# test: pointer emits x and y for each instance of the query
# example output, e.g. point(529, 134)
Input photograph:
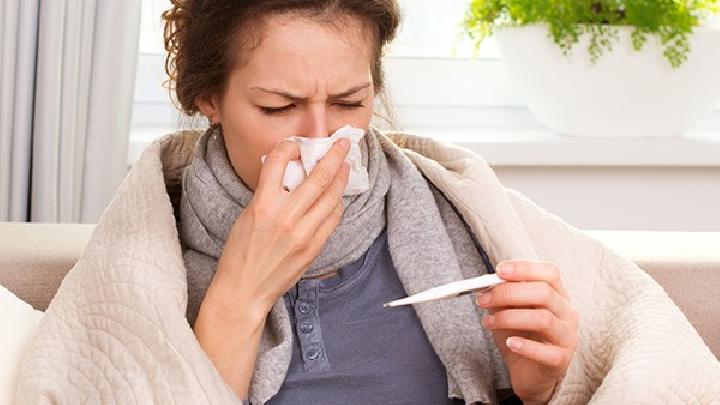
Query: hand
point(533, 325)
point(269, 247)
point(280, 233)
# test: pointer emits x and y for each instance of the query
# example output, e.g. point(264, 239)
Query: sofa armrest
point(685, 264)
point(34, 257)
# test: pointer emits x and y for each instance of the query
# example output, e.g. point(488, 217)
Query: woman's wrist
point(534, 402)
point(233, 308)
point(229, 333)
point(543, 401)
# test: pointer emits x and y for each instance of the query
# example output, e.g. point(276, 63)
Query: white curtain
point(72, 65)
point(18, 26)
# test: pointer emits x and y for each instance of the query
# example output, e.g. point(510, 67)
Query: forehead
point(293, 50)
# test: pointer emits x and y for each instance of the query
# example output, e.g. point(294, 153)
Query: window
point(471, 94)
point(469, 98)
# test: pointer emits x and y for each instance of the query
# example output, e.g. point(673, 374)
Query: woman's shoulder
point(176, 150)
point(165, 159)
point(433, 148)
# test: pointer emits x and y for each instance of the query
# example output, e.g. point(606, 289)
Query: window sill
point(698, 148)
point(505, 147)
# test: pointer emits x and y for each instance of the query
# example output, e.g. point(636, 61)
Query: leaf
point(672, 21)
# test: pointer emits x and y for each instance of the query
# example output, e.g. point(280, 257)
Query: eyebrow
point(295, 97)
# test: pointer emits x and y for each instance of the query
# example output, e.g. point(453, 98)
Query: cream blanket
point(116, 330)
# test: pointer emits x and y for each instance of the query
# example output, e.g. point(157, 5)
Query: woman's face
point(304, 78)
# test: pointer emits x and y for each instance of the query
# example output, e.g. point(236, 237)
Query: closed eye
point(350, 106)
point(276, 110)
point(285, 108)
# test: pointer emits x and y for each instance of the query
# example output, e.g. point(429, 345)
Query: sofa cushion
point(34, 257)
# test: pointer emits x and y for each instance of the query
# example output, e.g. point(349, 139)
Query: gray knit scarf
point(427, 241)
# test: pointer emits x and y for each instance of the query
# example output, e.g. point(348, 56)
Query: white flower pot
point(626, 93)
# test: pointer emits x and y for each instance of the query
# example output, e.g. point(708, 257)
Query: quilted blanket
point(116, 330)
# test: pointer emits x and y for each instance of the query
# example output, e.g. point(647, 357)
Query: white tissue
point(313, 149)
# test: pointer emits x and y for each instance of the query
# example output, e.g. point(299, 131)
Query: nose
point(315, 122)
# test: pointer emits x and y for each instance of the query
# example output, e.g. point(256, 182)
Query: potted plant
point(607, 67)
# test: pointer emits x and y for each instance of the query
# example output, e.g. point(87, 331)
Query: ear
point(209, 107)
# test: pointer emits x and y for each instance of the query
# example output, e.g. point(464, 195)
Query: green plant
point(670, 20)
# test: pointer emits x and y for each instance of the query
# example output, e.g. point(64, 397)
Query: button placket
point(307, 326)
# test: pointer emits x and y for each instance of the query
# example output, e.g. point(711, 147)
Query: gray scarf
point(427, 244)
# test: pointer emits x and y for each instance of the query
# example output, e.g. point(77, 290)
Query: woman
point(266, 70)
point(285, 289)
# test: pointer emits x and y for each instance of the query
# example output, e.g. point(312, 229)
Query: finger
point(324, 206)
point(526, 294)
point(328, 226)
point(532, 270)
point(273, 169)
point(316, 238)
point(492, 311)
point(549, 355)
point(321, 176)
point(539, 321)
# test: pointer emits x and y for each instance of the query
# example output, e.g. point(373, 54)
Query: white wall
point(624, 198)
point(595, 184)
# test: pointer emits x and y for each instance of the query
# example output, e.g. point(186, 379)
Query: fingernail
point(513, 344)
point(505, 269)
point(489, 320)
point(344, 143)
point(483, 299)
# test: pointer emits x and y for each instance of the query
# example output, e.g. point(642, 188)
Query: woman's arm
point(230, 337)
point(271, 244)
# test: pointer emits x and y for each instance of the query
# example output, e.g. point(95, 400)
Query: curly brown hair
point(199, 35)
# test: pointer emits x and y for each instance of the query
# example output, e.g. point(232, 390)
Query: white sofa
point(34, 258)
